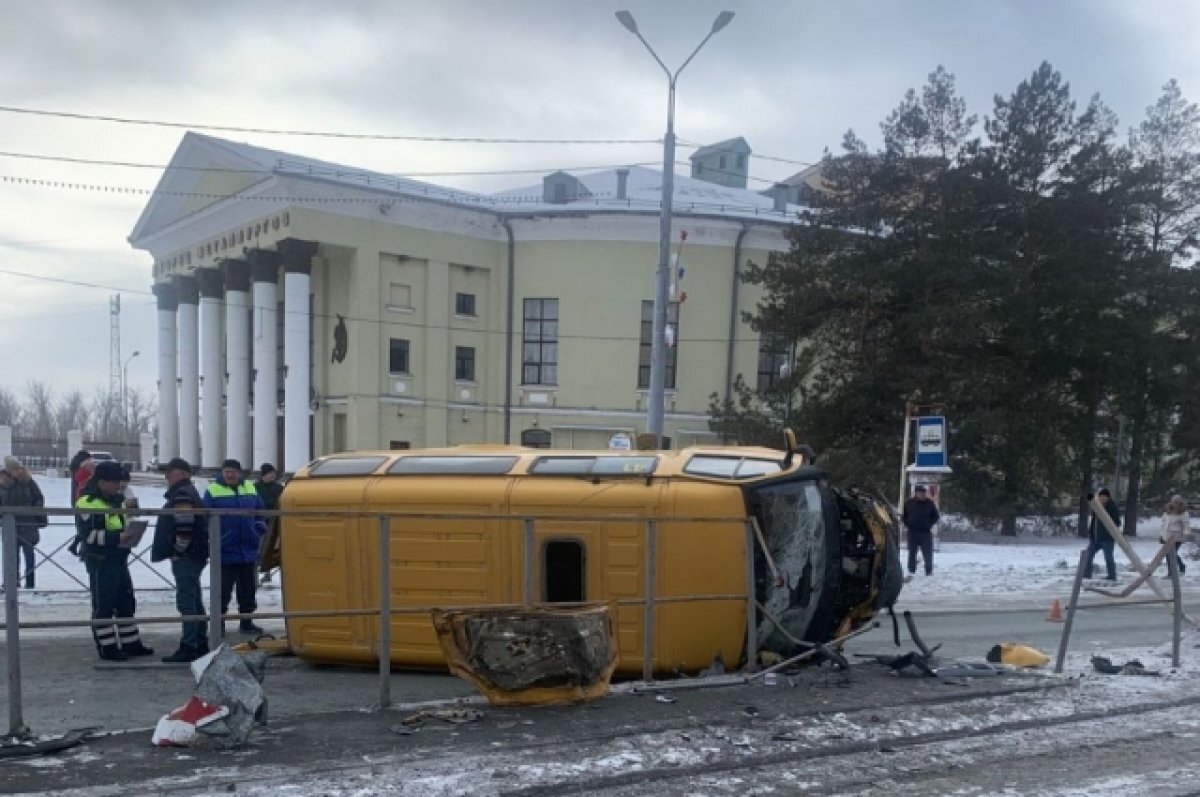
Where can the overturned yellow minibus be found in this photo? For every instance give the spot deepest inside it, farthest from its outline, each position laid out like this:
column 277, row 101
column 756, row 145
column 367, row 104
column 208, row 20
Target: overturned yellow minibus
column 825, row 559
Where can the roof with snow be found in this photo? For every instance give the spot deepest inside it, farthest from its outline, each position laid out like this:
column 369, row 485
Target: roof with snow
column 206, row 169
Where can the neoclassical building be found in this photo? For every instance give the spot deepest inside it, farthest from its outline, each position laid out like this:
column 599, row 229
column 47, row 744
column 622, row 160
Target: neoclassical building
column 306, row 308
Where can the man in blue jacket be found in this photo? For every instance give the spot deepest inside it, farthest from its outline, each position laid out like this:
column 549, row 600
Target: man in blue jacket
column 241, row 536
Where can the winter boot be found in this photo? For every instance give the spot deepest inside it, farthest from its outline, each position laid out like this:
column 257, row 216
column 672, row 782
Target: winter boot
column 185, row 655
column 29, row 580
column 248, row 627
column 137, row 649
column 112, row 653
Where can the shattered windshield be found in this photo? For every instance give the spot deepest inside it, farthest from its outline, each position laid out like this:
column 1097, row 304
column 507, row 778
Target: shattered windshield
column 792, row 517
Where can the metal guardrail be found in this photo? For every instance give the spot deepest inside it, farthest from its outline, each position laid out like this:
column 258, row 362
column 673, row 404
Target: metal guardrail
column 215, row 619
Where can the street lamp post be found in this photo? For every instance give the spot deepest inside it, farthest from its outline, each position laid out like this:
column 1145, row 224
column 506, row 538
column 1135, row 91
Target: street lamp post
column 658, row 343
column 125, row 392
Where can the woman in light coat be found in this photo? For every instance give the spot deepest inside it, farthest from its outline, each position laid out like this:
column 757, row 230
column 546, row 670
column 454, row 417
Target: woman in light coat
column 1175, row 524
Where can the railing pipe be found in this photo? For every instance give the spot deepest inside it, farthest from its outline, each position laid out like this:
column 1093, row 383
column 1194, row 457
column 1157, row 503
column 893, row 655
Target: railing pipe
column 648, row 609
column 216, row 626
column 385, row 612
column 12, row 630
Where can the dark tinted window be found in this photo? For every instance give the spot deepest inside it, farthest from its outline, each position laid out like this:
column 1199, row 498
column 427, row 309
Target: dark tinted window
column 452, row 465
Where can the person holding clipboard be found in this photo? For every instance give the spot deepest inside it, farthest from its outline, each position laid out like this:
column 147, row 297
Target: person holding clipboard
column 106, row 540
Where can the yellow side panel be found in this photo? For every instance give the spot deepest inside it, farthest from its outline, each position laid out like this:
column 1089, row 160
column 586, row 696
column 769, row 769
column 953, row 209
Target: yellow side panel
column 439, row 562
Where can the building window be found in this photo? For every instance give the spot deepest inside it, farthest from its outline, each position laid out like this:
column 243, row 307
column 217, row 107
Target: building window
column 398, row 356
column 721, row 163
column 535, row 438
column 772, row 357
column 399, row 445
column 539, row 343
column 464, row 363
column 741, row 161
column 646, row 347
column 399, row 297
column 464, row 304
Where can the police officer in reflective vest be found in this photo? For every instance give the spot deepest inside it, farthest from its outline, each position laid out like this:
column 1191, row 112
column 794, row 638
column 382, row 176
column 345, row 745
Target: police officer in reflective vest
column 108, row 564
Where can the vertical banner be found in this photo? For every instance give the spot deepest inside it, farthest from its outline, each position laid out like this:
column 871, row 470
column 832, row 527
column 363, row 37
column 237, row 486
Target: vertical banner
column 931, row 442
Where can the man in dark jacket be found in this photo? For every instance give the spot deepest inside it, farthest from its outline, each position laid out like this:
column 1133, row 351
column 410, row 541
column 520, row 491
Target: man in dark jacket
column 107, row 562
column 17, row 488
column 241, row 536
column 1100, row 540
column 182, row 537
column 920, row 513
column 269, row 490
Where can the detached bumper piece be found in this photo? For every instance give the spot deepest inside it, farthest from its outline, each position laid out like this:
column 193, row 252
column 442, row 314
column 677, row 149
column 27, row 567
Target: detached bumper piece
column 531, row 657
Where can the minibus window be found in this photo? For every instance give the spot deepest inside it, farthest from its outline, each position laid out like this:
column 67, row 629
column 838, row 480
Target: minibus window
column 595, row 466
column 756, row 467
column 444, row 466
column 346, row 466
column 562, row 566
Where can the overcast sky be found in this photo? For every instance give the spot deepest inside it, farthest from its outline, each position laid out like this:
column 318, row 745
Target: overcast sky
column 789, row 76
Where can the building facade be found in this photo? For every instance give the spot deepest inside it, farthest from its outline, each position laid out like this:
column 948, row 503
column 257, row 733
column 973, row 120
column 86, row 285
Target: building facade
column 306, row 308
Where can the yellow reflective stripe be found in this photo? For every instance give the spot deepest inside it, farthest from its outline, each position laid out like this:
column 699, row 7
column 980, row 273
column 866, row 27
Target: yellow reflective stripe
column 225, row 491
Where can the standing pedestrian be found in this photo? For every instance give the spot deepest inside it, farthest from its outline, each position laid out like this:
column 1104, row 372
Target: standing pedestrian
column 17, row 488
column 1099, row 539
column 919, row 516
column 1176, row 525
column 269, row 489
column 107, row 560
column 241, row 536
column 80, row 469
column 183, row 539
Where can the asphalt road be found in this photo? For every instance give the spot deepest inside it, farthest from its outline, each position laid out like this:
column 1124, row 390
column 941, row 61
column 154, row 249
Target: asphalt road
column 969, row 635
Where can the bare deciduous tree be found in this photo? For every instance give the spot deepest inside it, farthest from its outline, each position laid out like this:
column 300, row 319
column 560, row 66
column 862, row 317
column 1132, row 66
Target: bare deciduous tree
column 40, row 407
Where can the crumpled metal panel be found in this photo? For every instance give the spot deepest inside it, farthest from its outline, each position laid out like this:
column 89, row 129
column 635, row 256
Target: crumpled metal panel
column 536, row 656
column 234, row 680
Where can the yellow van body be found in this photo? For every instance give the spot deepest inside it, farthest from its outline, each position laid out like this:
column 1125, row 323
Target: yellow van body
column 590, row 535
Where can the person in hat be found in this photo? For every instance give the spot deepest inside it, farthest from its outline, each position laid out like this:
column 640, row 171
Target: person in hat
column 107, row 562
column 241, row 537
column 1176, row 526
column 1100, row 540
column 269, row 489
column 18, row 488
column 919, row 516
column 80, row 469
column 182, row 537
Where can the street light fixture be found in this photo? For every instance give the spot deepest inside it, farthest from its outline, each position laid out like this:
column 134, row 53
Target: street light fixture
column 658, row 343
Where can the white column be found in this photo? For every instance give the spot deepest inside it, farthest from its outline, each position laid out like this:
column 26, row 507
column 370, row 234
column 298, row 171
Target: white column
column 188, row 339
column 265, row 274
column 6, row 441
column 297, row 320
column 212, row 387
column 237, row 361
column 168, row 367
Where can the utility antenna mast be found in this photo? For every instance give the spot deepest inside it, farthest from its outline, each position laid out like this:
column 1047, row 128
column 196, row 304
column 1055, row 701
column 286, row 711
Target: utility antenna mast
column 114, row 338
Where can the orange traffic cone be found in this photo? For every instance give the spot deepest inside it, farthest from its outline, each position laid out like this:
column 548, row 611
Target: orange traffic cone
column 1056, row 613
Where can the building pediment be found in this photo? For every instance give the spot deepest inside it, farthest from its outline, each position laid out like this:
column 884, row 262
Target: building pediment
column 203, row 171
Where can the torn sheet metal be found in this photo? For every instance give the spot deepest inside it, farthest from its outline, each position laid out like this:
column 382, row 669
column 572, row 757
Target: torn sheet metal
column 227, row 702
column 522, row 657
